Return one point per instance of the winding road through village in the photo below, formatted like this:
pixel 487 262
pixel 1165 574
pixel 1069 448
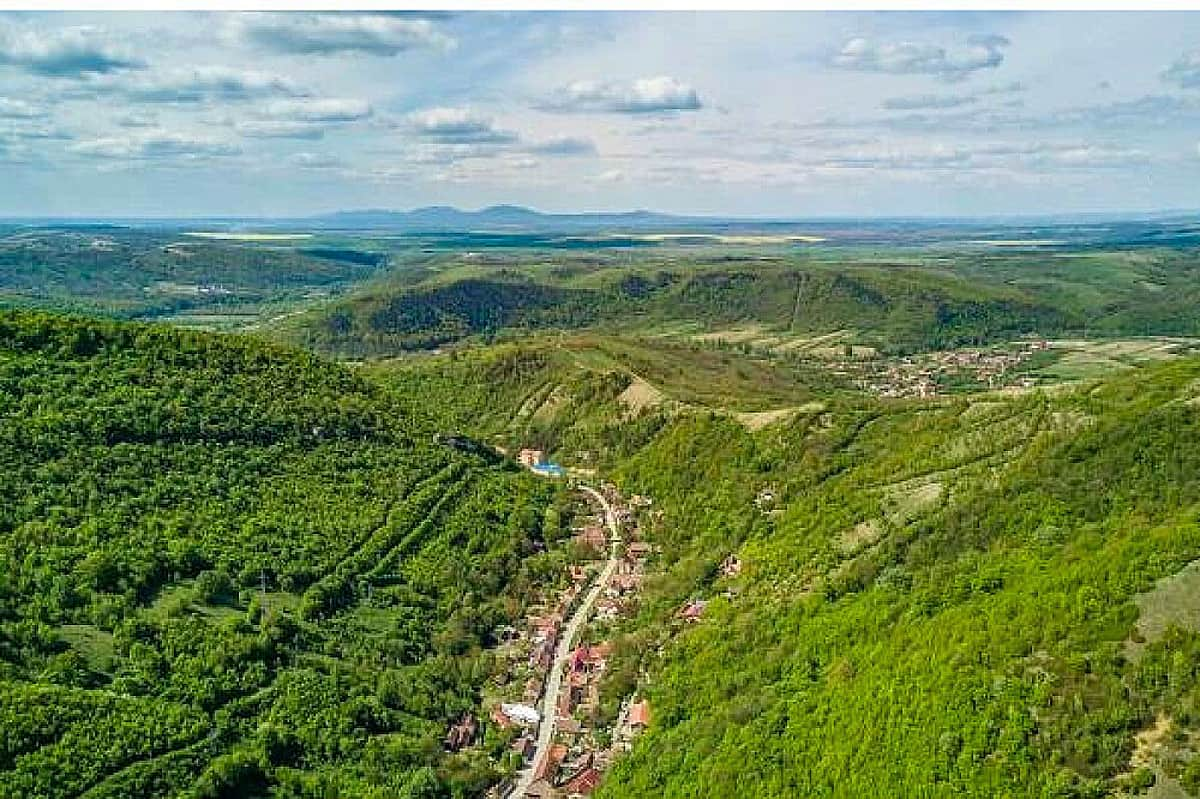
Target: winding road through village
pixel 554 680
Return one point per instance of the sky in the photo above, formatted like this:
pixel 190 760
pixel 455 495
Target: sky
pixel 740 114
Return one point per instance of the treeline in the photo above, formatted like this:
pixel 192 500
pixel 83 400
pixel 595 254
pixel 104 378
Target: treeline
pixel 156 482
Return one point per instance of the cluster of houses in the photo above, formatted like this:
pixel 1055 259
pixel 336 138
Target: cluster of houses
pixel 922 376
pixel 618 597
pixel 574 772
pixel 577 760
pixel 580 751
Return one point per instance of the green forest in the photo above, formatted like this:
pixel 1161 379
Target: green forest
pixel 229 569
pixel 233 565
pixel 896 302
pixel 983 596
pixel 145 274
pixel 944 603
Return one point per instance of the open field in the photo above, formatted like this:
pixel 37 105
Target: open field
pixel 1082 360
pixel 260 237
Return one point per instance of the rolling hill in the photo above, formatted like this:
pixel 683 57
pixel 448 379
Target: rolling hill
pixel 899 310
pixel 232 569
pixel 151 273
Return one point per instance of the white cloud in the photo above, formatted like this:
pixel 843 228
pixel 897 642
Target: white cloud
pixel 324 110
pixel 610 176
pixel 303 118
pixel 645 95
pixel 1185 71
pixel 201 84
pixel 962 159
pixel 913 58
pixel 458 126
pixel 155 144
pixel 279 129
pixel 63 53
pixel 1146 112
pixel 138 121
pixel 11 108
pixel 326 34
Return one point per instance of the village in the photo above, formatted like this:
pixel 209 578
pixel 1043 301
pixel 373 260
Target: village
pixel 936 373
pixel 546 701
pixel 581 747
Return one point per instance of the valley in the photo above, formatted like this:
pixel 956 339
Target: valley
pixel 887 508
pixel 587 402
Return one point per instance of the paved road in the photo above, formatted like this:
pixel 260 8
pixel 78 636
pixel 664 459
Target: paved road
pixel 554 681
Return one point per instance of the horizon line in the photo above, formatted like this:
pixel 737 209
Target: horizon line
pixel 703 216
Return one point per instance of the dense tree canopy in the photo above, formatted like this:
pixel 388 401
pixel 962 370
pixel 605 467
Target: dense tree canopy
pixel 156 482
pixel 942 601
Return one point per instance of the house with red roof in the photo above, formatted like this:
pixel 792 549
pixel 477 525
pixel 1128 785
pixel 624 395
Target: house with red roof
pixel 692 611
pixel 583 783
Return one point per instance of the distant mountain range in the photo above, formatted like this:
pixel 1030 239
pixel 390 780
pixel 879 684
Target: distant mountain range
pixel 509 217
pixel 501 220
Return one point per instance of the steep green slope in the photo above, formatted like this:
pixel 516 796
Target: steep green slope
pixel 603 395
pixel 984 596
pixel 941 601
pixel 155 481
pixel 895 301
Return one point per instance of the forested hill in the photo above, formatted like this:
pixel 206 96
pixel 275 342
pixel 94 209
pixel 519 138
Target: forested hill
pixel 893 302
pixel 898 311
pixel 156 481
pixel 983 597
pixel 988 595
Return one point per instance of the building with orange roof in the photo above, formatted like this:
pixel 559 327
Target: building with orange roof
pixel 531 457
pixel 639 714
pixel 549 767
pixel 500 719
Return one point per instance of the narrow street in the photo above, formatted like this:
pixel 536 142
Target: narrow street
pixel 554 682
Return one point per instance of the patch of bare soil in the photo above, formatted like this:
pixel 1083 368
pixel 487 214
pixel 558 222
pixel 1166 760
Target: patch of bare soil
pixel 862 535
pixel 757 420
pixel 640 395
